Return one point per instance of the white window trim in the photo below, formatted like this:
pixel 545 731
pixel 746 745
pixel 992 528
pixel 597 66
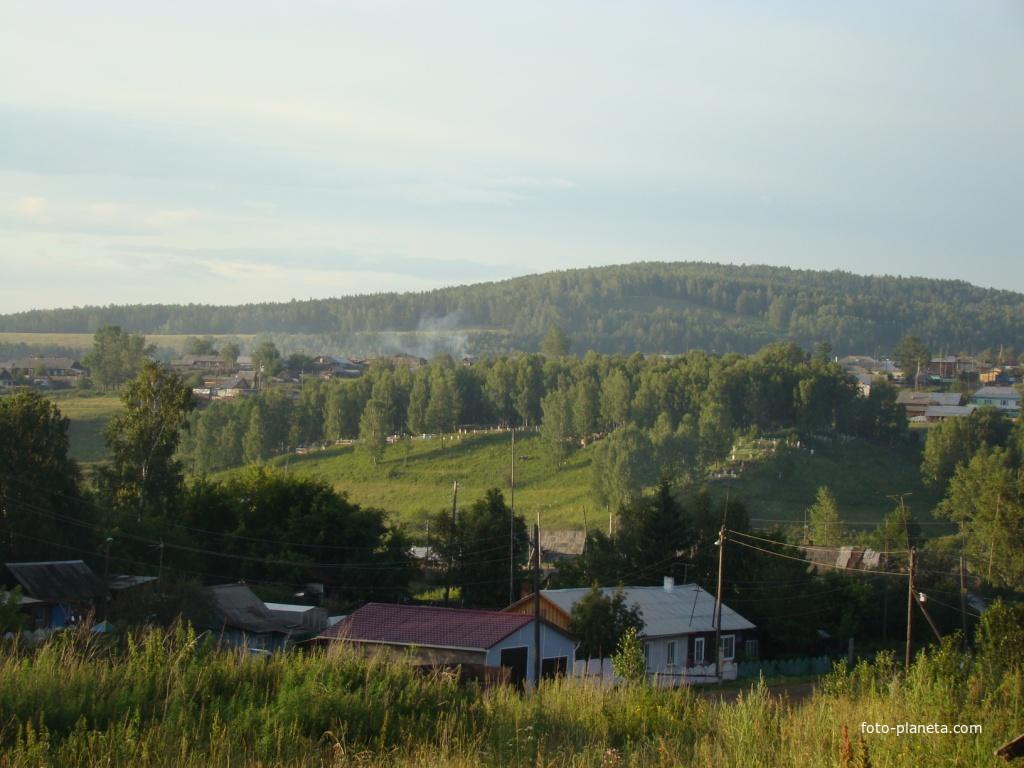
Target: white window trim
pixel 732 656
pixel 698 650
pixel 671 653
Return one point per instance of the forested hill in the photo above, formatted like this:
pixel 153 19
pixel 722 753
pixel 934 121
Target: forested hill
pixel 648 307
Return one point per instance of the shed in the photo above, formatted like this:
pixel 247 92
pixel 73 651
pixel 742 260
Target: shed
pixel 444 637
pixel 239 617
pixel 64 590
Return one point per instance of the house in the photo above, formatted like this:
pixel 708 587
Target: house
pixel 1001 375
pixel 557 546
pixel 56 593
pixel 678 631
pixel 917 403
pixel 309 618
pixel 236 616
pixel 61 367
pixel 200 363
pixel 1006 399
pixel 6 379
pixel 951 367
pixel 233 387
pixel 448 637
pixel 329 367
pixel 244 362
pixel 935 413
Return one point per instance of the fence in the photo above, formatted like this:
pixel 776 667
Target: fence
pixel 815 665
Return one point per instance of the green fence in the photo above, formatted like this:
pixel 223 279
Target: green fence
pixel 816 665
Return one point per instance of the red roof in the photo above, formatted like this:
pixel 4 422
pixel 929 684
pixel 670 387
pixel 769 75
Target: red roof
pixel 427 626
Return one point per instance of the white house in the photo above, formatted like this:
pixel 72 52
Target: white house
pixel 1006 399
pixel 678 631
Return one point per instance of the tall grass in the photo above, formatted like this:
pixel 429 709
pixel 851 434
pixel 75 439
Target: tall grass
pixel 164 698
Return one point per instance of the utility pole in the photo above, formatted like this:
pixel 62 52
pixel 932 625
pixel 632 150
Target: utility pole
pixel 512 527
pixel 910 607
pixel 963 603
pixel 451 545
pixel 106 577
pixel 536 605
pixel 718 606
pixel 921 598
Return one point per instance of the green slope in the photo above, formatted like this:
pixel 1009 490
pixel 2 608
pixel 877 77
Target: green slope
pixel 413 486
pixel 863 477
pixel 419 483
pixel 87 416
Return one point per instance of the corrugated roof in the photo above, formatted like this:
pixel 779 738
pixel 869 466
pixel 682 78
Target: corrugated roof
pixel 684 609
pixel 238 607
pixel 427 626
pixel 1002 393
pixel 942 411
pixel 928 398
pixel 58 581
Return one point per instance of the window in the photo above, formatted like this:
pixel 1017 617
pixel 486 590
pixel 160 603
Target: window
pixel 553 667
pixel 647 655
pixel 670 653
pixel 750 648
pixel 728 648
pixel 698 650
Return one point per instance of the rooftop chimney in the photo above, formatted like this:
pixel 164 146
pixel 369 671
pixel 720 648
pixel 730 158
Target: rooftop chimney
pixel 670 582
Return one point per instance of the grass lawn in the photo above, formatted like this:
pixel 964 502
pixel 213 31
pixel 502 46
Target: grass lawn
pixel 860 475
pixel 420 484
pixel 88 415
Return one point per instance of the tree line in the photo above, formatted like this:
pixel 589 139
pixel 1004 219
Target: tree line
pixel 655 307
pixel 650 415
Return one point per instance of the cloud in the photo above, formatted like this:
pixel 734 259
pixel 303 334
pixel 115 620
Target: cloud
pixel 29 206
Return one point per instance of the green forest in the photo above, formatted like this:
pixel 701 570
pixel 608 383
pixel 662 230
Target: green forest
pixel 651 307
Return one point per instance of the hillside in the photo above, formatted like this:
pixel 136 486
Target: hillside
pixel 658 307
pixel 413 487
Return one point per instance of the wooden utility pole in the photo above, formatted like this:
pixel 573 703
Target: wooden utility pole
pixel 718 606
pixel 451 545
pixel 536 605
pixel 963 603
pixel 910 607
pixel 512 527
pixel 920 604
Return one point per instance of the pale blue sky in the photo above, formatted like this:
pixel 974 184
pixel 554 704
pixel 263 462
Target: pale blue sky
pixel 238 151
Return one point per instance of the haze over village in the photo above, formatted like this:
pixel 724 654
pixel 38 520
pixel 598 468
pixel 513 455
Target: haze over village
pixel 477 385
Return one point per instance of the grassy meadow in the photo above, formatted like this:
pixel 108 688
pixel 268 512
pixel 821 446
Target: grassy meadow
pixel 862 477
pixel 164 699
pixel 412 485
pixel 87 414
pixel 415 479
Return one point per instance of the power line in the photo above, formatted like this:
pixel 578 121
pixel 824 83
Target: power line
pixel 808 562
pixel 811 546
pixel 224 534
pixel 392 566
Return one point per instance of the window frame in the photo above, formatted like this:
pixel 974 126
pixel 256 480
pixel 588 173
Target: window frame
pixel 699 651
pixel 732 642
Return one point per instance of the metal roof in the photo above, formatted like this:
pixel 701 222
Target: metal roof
pixel 907 397
pixel 58 581
pixel 427 626
pixel 683 609
pixel 998 393
pixel 941 411
pixel 236 606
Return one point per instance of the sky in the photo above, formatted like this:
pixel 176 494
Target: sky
pixel 260 151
